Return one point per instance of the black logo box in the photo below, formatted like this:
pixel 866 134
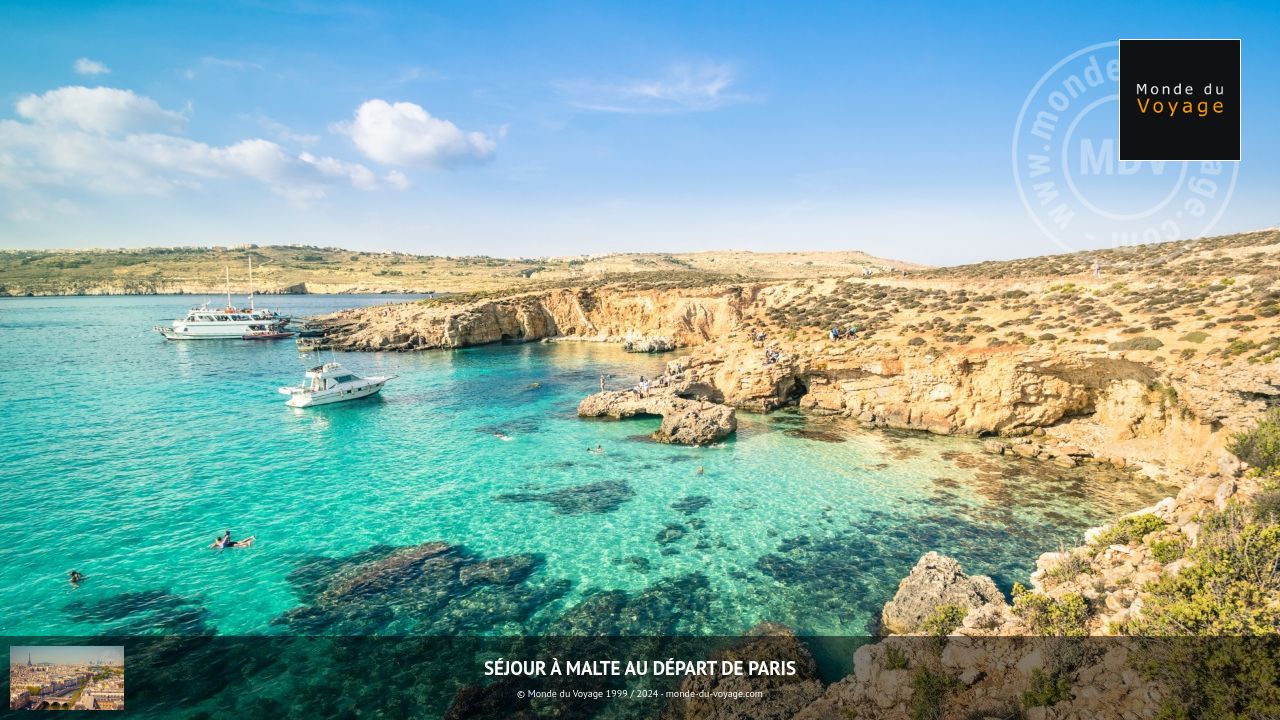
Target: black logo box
pixel 1187 68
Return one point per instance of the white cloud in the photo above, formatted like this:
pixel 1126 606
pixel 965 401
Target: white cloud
pixel 684 88
pixel 397 180
pixel 230 63
pixel 85 66
pixel 405 134
pixel 284 133
pixel 209 61
pixel 99 110
pixel 107 140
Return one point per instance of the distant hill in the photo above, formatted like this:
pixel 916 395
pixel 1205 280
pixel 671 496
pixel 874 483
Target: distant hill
pixel 304 269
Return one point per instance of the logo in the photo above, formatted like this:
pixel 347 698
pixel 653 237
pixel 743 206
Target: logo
pixel 1071 180
pixel 1180 99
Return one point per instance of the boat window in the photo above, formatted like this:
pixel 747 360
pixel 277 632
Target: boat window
pixel 223 318
pixel 345 378
pixel 241 317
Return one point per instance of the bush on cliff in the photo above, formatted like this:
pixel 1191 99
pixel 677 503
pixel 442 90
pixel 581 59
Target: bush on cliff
pixel 1129 530
pixel 1045 689
pixel 1166 551
pixel 1214 628
pixel 944 620
pixel 1138 343
pixel 1260 446
pixel 1229 586
pixel 929 691
pixel 1064 616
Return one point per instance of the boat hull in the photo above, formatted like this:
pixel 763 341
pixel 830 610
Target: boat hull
pixel 171 334
pixel 328 397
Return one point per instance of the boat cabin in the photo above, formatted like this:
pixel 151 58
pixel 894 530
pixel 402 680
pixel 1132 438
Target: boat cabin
pixel 329 375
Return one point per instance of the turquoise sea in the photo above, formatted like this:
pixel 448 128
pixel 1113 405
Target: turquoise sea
pixel 124 455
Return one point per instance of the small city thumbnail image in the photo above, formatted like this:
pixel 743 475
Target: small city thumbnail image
pixel 66 677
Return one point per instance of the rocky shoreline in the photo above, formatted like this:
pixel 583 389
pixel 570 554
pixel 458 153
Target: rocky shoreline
pixel 1110 398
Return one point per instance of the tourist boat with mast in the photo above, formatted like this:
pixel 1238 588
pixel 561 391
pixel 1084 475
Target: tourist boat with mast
pixel 229 322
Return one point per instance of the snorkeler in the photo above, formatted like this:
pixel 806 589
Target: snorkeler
pixel 76 578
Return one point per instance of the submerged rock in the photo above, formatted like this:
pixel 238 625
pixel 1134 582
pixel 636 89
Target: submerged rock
pixel 432 588
pixel 819 435
pixel 145 612
pixel 596 498
pixel 671 533
pixel 690 505
pixel 501 570
pixel 936 580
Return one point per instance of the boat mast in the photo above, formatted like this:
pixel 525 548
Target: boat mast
pixel 228 269
pixel 250 282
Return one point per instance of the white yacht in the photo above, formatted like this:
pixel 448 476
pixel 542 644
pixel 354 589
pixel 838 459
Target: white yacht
pixel 331 383
pixel 205 323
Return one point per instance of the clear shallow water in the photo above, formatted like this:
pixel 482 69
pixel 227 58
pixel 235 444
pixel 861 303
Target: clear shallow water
pixel 126 454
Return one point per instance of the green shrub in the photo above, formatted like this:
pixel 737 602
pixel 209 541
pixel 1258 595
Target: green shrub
pixel 929 691
pixel 1229 585
pixel 1226 592
pixel 1266 506
pixel 944 620
pixel 1129 530
pixel 1045 689
pixel 894 659
pixel 1166 551
pixel 1068 568
pixel 1138 343
pixel 1065 616
pixel 1195 336
pixel 1260 447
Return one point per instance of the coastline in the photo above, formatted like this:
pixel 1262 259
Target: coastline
pixel 1149 405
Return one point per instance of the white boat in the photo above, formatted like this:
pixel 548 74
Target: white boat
pixel 205 323
pixel 331 383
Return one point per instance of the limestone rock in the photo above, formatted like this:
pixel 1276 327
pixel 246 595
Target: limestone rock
pixel 936 580
pixel 649 345
pixel 684 421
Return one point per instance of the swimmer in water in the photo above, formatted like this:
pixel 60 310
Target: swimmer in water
pixel 75 578
pixel 225 541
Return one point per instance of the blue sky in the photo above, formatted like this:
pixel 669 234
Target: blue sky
pixel 66 654
pixel 523 129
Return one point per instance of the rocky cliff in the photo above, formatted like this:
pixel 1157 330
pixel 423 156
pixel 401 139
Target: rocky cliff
pixel 1077 404
pixel 680 316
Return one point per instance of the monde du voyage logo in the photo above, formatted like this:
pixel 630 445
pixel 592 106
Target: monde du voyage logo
pixel 1180 100
pixel 1131 141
